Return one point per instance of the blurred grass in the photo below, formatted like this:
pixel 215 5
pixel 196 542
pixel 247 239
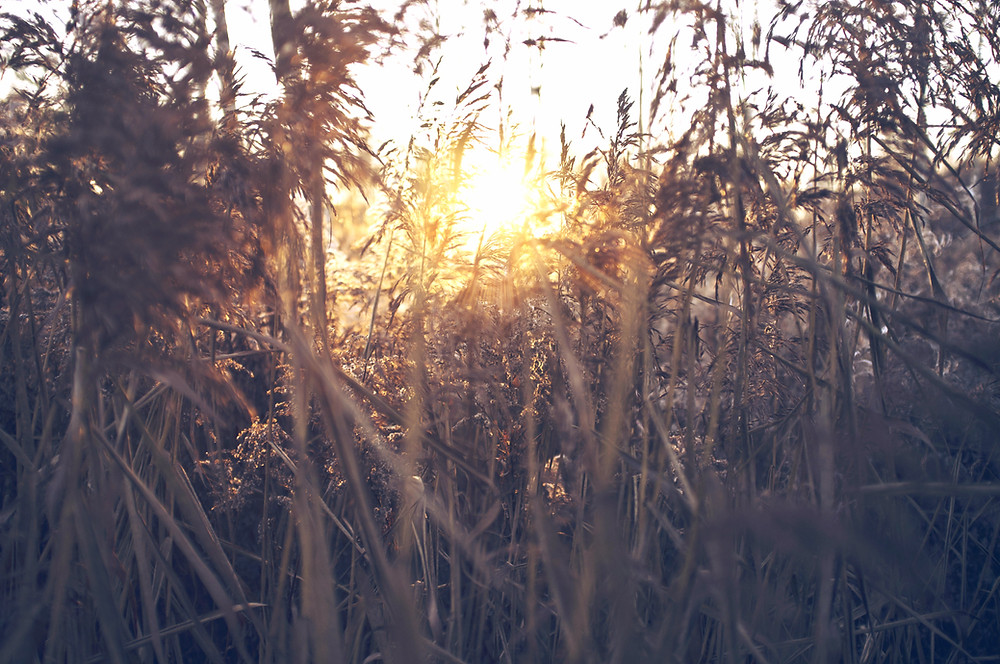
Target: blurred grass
pixel 737 403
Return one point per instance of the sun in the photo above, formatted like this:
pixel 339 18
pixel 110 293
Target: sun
pixel 497 195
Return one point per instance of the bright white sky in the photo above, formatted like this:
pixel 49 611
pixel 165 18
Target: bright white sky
pixel 593 67
pixel 585 64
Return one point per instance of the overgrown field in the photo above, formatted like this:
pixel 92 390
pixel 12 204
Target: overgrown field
pixel 729 393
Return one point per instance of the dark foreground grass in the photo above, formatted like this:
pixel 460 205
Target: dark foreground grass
pixel 740 404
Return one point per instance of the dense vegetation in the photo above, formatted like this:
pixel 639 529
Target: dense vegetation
pixel 738 401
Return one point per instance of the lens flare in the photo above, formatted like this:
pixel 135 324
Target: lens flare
pixel 497 196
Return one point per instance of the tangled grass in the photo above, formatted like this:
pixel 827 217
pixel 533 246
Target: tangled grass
pixel 739 404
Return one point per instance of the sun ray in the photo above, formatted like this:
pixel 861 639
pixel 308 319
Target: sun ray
pixel 495 196
pixel 499 194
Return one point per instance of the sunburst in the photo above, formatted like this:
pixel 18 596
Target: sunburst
pixel 498 195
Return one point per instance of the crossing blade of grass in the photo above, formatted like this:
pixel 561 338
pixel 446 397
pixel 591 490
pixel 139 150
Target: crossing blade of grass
pixel 926 620
pixel 929 489
pixel 181 491
pixel 319 606
pixel 177 601
pixel 94 563
pixel 179 628
pixel 144 576
pixel 180 538
pixel 391 583
pixel 19 453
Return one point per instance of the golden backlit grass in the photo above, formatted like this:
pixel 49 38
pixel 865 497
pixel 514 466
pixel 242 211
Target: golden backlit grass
pixel 728 398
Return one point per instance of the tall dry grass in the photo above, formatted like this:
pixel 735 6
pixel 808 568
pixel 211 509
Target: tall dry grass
pixel 741 406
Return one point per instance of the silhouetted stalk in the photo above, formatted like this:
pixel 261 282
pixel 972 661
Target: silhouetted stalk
pixel 738 212
pixel 224 65
pixel 317 248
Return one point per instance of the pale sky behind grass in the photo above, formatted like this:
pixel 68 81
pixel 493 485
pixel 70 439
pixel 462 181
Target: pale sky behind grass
pixel 541 87
pixel 587 61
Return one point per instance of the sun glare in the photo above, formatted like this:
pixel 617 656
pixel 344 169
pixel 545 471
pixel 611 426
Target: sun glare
pixel 498 197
